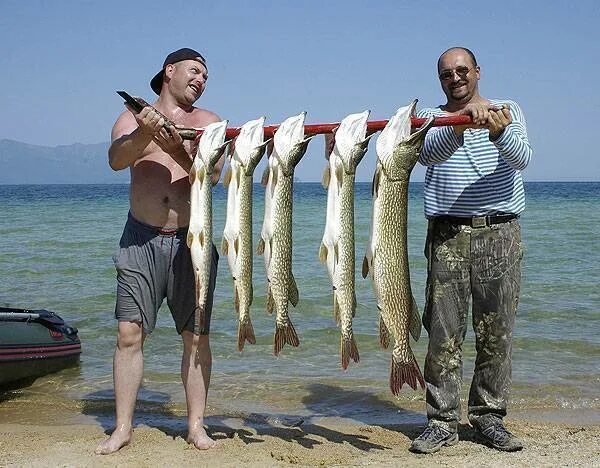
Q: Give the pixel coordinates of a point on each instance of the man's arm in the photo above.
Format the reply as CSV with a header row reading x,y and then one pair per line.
x,y
132,133
509,134
440,142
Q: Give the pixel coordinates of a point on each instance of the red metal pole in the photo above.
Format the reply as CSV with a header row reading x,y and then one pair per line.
x,y
372,126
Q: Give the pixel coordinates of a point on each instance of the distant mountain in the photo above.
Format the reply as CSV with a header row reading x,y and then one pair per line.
x,y
22,163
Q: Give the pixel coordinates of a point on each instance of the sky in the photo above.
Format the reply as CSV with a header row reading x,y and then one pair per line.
x,y
62,61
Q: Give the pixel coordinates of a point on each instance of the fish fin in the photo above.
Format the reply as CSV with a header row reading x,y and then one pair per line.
x,y
190,238
224,246
323,253
192,175
236,299
336,307
375,186
329,143
405,372
384,333
293,292
236,245
353,304
265,177
415,321
348,350
260,247
284,334
365,267
326,177
200,176
245,333
270,300
227,178
201,238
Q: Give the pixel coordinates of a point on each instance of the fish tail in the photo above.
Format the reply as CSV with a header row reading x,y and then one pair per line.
x,y
348,349
285,333
405,372
245,333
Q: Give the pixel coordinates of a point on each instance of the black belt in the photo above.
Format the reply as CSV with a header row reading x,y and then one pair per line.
x,y
477,221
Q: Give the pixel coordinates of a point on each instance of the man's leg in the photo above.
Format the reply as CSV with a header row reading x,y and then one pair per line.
x,y
496,285
196,365
448,298
444,318
128,367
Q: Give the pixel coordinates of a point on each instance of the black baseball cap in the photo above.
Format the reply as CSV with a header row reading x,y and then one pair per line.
x,y
174,57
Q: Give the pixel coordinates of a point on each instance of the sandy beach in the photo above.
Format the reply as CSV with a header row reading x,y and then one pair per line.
x,y
309,445
59,434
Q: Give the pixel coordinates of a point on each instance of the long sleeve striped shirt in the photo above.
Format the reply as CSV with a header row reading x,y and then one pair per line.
x,y
473,176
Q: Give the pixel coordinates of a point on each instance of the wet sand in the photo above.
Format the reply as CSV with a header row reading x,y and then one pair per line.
x,y
328,442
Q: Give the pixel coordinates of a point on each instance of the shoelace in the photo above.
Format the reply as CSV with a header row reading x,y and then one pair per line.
x,y
497,432
438,432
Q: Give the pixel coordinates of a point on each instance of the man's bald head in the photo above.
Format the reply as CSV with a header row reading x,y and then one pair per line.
x,y
464,49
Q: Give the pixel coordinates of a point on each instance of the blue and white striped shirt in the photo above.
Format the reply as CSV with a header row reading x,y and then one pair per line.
x,y
473,176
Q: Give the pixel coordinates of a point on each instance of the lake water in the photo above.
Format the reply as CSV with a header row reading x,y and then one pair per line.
x,y
56,253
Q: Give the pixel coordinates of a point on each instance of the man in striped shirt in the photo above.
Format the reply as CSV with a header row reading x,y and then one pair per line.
x,y
473,198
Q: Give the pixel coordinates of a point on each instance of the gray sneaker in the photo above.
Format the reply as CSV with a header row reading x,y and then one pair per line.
x,y
433,438
491,431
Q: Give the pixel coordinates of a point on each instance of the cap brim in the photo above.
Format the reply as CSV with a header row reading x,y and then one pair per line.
x,y
157,81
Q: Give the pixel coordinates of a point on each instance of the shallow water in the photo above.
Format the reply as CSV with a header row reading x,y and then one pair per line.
x,y
56,254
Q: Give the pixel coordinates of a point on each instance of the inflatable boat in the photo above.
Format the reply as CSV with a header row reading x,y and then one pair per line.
x,y
34,343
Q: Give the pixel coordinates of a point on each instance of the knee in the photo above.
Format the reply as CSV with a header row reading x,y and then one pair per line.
x,y
130,336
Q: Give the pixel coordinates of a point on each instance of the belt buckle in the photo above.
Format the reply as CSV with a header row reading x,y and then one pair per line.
x,y
479,221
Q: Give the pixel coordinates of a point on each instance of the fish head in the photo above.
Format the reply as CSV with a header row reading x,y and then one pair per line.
x,y
397,149
250,138
350,142
289,142
212,143
406,154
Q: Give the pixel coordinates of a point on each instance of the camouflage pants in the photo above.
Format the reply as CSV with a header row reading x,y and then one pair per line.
x,y
482,267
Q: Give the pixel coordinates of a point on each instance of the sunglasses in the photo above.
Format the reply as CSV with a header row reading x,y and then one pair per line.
x,y
447,75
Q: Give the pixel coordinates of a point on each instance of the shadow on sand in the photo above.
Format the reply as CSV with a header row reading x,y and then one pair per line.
x,y
347,408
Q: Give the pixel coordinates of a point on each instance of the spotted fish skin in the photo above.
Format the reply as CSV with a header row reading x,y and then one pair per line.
x,y
276,236
237,237
337,246
200,232
386,260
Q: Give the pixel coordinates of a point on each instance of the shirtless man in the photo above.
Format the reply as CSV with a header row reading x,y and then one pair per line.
x,y
153,260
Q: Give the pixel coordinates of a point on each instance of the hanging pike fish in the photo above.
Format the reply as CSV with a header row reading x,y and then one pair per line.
x,y
248,150
199,237
386,259
276,236
337,247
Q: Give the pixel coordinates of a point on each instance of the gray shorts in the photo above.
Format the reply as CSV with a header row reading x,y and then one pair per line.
x,y
153,264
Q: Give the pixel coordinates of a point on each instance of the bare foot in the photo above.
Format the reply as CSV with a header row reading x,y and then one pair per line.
x,y
200,439
120,437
